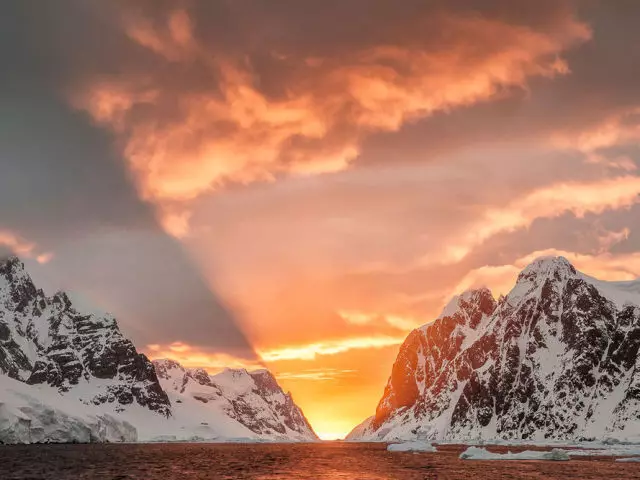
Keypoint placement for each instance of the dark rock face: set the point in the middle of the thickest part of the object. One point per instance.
(45, 340)
(200, 376)
(557, 358)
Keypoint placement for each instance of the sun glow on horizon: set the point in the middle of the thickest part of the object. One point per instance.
(334, 399)
(328, 436)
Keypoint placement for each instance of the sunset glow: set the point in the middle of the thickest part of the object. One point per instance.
(298, 185)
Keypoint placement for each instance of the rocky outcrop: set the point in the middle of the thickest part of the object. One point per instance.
(45, 340)
(557, 358)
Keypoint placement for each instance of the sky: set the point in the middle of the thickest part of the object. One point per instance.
(299, 184)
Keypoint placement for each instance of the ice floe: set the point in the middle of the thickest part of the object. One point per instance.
(478, 453)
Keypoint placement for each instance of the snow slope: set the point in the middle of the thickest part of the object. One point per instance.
(557, 358)
(39, 414)
(233, 404)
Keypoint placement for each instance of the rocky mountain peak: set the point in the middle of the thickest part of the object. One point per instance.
(557, 268)
(164, 367)
(265, 381)
(200, 375)
(13, 271)
(45, 340)
(16, 285)
(556, 358)
(10, 264)
(543, 278)
(470, 303)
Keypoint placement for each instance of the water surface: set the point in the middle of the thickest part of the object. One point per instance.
(322, 461)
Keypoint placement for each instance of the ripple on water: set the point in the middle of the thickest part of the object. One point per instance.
(322, 461)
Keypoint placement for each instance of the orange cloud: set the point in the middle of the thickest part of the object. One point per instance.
(327, 347)
(551, 201)
(606, 239)
(499, 279)
(22, 247)
(615, 129)
(173, 39)
(192, 357)
(18, 245)
(316, 374)
(235, 132)
(401, 322)
(44, 257)
(618, 129)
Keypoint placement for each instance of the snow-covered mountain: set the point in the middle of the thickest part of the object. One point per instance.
(557, 358)
(253, 401)
(46, 341)
(71, 376)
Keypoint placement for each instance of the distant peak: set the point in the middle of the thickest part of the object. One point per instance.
(548, 270)
(235, 371)
(265, 380)
(547, 266)
(262, 372)
(167, 363)
(481, 296)
(478, 292)
(200, 375)
(61, 298)
(13, 271)
(11, 262)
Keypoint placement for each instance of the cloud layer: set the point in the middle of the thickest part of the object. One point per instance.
(259, 98)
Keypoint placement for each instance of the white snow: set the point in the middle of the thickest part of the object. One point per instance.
(621, 293)
(416, 446)
(609, 447)
(360, 431)
(234, 381)
(479, 453)
(39, 414)
(453, 306)
(206, 413)
(631, 459)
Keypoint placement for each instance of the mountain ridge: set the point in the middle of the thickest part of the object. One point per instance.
(45, 340)
(80, 370)
(252, 398)
(556, 358)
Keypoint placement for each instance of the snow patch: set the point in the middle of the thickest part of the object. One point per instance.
(32, 414)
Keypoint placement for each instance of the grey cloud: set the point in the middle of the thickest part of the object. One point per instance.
(64, 186)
